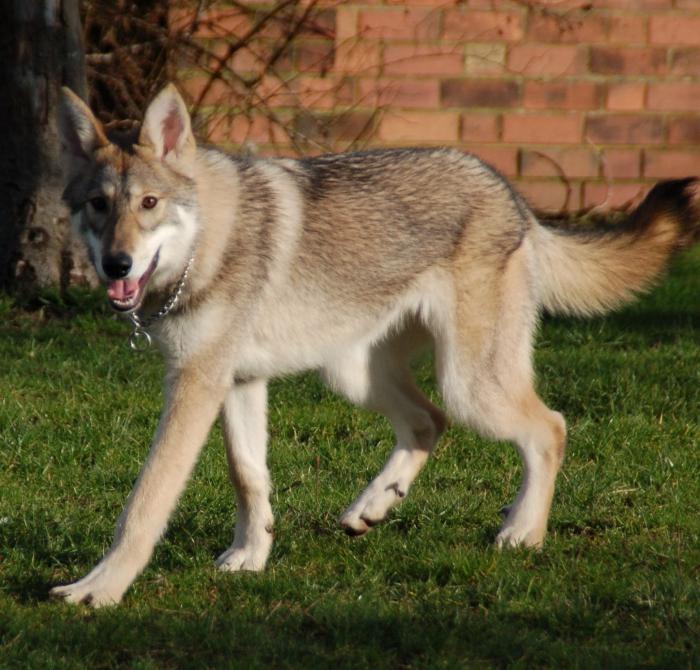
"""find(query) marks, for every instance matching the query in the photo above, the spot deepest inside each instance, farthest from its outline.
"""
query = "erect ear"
(167, 131)
(80, 132)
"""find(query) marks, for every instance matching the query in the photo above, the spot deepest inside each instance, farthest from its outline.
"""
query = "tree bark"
(41, 49)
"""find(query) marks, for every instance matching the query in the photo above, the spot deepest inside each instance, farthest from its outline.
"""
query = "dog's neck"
(169, 301)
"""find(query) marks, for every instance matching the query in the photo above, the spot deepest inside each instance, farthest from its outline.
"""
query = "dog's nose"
(116, 266)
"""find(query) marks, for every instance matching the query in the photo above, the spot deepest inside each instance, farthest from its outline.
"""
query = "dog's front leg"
(244, 419)
(192, 402)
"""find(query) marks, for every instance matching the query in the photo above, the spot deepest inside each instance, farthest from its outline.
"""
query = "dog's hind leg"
(244, 422)
(379, 379)
(485, 373)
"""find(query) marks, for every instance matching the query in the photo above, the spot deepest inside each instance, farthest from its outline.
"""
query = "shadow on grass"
(656, 320)
(369, 634)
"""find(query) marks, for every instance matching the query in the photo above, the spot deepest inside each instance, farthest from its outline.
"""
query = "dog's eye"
(149, 202)
(98, 203)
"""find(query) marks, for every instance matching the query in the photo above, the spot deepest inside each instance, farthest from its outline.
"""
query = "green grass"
(617, 585)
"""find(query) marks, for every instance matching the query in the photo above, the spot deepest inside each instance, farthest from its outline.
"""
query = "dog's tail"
(590, 271)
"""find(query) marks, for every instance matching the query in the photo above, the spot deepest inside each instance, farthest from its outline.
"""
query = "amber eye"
(149, 202)
(98, 203)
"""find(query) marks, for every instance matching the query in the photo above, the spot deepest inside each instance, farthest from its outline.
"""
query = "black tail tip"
(682, 191)
(677, 198)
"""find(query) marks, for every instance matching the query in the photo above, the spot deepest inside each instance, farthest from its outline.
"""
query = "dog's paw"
(88, 591)
(371, 508)
(512, 535)
(249, 556)
(354, 524)
(104, 585)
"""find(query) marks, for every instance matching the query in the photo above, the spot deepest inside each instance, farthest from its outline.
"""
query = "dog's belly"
(288, 348)
(305, 329)
(294, 339)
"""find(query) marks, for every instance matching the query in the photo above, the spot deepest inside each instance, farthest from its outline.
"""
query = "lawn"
(617, 584)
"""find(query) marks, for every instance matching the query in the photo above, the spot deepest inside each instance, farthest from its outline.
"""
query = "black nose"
(116, 266)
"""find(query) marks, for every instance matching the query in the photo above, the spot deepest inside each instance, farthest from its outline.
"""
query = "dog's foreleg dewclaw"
(504, 511)
(396, 489)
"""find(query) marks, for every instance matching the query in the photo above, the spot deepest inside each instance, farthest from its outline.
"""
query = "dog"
(246, 268)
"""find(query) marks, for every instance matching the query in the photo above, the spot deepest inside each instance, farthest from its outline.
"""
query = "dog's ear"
(80, 132)
(167, 131)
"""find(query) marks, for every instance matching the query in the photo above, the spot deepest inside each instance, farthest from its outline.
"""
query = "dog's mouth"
(125, 295)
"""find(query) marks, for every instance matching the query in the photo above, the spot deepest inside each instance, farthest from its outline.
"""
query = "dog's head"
(133, 203)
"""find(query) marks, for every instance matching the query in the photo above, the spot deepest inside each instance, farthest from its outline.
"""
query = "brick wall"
(583, 103)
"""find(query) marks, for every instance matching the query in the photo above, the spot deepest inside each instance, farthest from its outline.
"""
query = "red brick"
(633, 60)
(327, 130)
(684, 130)
(628, 29)
(316, 56)
(686, 61)
(483, 26)
(245, 60)
(573, 162)
(357, 57)
(346, 22)
(423, 3)
(560, 5)
(240, 129)
(613, 196)
(624, 129)
(480, 127)
(674, 29)
(218, 93)
(674, 96)
(321, 24)
(622, 163)
(322, 93)
(671, 163)
(561, 95)
(542, 128)
(479, 93)
(419, 127)
(424, 93)
(422, 59)
(181, 18)
(400, 23)
(275, 92)
(549, 195)
(504, 159)
(568, 27)
(222, 23)
(624, 5)
(639, 5)
(546, 59)
(626, 96)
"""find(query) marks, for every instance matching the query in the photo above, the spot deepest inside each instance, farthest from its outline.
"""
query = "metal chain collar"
(140, 339)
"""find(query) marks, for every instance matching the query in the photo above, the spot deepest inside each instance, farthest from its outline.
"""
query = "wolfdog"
(245, 268)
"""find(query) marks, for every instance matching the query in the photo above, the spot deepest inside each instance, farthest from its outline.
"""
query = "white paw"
(252, 556)
(96, 590)
(371, 507)
(519, 535)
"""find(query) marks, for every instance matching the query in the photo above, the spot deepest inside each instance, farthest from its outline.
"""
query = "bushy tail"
(590, 271)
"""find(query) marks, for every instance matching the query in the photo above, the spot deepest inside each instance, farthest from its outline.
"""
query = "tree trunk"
(41, 49)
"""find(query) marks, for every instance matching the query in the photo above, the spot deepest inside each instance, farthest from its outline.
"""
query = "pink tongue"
(121, 289)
